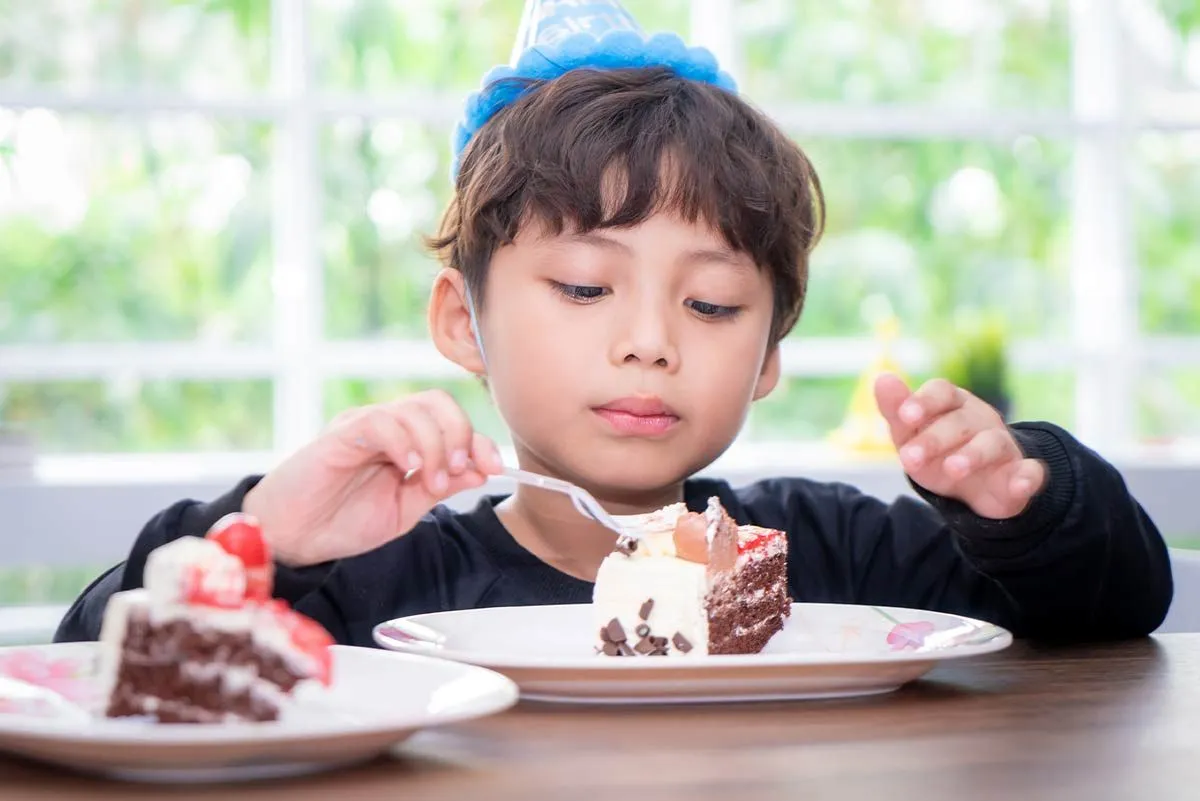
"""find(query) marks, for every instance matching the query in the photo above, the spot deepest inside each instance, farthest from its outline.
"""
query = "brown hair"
(671, 143)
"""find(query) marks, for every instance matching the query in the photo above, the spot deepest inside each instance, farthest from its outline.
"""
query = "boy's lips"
(645, 417)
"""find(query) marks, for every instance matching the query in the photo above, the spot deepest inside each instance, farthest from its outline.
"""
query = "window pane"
(800, 408)
(1164, 36)
(129, 415)
(390, 44)
(1167, 211)
(203, 48)
(977, 54)
(936, 226)
(45, 585)
(1048, 397)
(810, 408)
(386, 185)
(470, 394)
(133, 229)
(1169, 403)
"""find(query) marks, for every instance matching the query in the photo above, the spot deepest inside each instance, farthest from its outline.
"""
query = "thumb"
(890, 393)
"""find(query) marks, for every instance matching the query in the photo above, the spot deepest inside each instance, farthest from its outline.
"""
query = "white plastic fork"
(584, 503)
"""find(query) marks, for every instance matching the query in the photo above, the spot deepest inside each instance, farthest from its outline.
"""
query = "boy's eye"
(580, 293)
(713, 310)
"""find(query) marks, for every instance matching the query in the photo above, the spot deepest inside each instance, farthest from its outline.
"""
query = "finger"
(945, 434)
(985, 449)
(890, 393)
(1027, 478)
(934, 398)
(374, 432)
(485, 456)
(426, 435)
(457, 431)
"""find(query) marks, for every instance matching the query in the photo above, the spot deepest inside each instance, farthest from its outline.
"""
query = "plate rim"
(494, 661)
(501, 694)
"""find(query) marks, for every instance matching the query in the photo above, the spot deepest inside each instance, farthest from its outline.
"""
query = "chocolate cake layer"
(153, 677)
(739, 623)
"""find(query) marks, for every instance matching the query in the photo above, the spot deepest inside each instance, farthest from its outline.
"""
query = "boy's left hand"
(953, 444)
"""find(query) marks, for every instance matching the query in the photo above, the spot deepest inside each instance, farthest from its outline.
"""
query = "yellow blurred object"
(863, 431)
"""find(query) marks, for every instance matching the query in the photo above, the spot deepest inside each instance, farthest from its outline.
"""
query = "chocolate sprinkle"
(659, 642)
(626, 545)
(644, 612)
(611, 649)
(614, 631)
(623, 649)
(642, 630)
(644, 646)
(681, 643)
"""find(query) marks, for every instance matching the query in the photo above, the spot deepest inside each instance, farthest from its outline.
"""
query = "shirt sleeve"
(1082, 562)
(301, 588)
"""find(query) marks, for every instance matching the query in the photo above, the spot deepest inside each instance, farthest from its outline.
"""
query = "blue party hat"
(547, 23)
(557, 36)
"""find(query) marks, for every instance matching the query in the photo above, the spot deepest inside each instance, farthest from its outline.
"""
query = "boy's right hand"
(369, 478)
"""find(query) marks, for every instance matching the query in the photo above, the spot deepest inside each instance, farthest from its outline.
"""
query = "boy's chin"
(629, 479)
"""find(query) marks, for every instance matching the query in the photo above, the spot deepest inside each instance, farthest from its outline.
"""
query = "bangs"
(609, 149)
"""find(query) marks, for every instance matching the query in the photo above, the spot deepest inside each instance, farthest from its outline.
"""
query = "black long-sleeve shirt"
(1083, 562)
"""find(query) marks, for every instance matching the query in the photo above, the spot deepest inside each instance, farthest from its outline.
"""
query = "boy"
(625, 249)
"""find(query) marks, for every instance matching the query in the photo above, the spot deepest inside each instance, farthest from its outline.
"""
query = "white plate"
(377, 699)
(823, 651)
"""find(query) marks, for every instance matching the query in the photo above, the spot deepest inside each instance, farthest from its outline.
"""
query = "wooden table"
(1091, 723)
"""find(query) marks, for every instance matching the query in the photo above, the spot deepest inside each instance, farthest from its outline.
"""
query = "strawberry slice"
(241, 535)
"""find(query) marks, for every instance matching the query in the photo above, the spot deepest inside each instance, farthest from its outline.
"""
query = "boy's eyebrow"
(599, 240)
(696, 256)
(718, 256)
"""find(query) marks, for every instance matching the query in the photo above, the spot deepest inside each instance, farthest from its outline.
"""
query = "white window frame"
(1105, 349)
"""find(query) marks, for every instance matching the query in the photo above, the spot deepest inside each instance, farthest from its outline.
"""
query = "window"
(211, 213)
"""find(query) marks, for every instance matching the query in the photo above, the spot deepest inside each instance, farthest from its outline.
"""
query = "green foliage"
(974, 355)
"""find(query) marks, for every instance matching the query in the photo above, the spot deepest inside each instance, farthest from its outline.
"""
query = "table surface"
(1118, 721)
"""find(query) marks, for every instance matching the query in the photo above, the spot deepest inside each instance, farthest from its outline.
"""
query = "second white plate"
(824, 651)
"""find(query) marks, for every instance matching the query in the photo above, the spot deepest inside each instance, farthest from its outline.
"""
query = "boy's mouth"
(638, 417)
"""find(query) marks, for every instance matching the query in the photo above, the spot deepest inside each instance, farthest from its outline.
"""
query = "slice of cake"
(687, 583)
(204, 642)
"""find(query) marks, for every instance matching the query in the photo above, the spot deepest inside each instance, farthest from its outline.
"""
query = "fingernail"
(913, 454)
(458, 461)
(958, 463)
(414, 461)
(441, 481)
(910, 412)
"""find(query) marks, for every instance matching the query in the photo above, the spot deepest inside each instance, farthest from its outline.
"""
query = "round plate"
(377, 699)
(823, 651)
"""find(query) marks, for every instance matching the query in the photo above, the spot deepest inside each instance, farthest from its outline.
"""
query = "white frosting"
(677, 586)
(655, 531)
(170, 567)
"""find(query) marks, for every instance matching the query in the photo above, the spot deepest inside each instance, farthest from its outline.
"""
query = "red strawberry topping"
(757, 540)
(205, 589)
(240, 535)
(310, 637)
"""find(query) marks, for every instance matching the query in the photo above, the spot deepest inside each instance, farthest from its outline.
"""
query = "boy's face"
(624, 359)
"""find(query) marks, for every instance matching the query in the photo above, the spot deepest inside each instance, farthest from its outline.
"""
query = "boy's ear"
(450, 322)
(768, 377)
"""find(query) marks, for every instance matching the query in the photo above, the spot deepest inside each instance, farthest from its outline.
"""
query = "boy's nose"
(647, 341)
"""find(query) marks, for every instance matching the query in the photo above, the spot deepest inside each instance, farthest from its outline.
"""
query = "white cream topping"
(678, 588)
(655, 530)
(169, 567)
